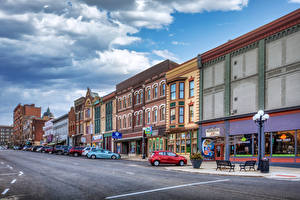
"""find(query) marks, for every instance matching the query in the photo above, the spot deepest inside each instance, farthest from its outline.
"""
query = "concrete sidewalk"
(209, 167)
(286, 173)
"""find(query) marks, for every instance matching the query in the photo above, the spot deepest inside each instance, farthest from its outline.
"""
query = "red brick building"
(141, 104)
(20, 113)
(72, 125)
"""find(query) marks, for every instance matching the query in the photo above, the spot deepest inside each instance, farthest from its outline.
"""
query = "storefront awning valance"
(128, 139)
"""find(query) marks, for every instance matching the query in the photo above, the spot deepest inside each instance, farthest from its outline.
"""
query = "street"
(30, 175)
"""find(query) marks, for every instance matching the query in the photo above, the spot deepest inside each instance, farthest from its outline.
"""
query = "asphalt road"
(30, 175)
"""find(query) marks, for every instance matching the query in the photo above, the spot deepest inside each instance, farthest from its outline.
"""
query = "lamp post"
(259, 119)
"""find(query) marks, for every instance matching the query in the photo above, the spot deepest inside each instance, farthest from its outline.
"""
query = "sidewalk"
(276, 172)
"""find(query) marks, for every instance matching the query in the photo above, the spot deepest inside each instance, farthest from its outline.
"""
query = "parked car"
(76, 151)
(59, 149)
(48, 149)
(35, 148)
(88, 149)
(39, 149)
(101, 153)
(17, 147)
(26, 148)
(166, 157)
(67, 150)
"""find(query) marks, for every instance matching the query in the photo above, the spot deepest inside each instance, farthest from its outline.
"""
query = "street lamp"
(259, 118)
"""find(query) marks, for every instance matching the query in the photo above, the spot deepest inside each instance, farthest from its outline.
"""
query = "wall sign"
(212, 132)
(116, 135)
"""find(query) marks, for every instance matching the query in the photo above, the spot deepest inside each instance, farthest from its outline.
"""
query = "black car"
(35, 148)
(67, 149)
(60, 149)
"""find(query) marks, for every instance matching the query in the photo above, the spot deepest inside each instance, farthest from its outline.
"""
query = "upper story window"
(162, 89)
(181, 115)
(191, 88)
(130, 121)
(148, 94)
(191, 113)
(124, 122)
(129, 100)
(173, 91)
(120, 123)
(141, 95)
(181, 90)
(155, 115)
(120, 104)
(172, 115)
(155, 91)
(124, 102)
(140, 118)
(148, 117)
(137, 98)
(87, 113)
(162, 113)
(137, 120)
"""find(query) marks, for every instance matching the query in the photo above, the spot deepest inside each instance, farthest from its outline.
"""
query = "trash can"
(264, 165)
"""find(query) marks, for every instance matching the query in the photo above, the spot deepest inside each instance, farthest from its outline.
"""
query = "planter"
(196, 163)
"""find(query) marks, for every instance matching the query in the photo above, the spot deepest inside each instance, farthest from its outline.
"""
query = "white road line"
(13, 181)
(165, 188)
(2, 163)
(8, 174)
(5, 191)
(130, 173)
(20, 173)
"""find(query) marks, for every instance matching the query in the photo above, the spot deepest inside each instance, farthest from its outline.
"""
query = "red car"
(166, 157)
(48, 149)
(76, 151)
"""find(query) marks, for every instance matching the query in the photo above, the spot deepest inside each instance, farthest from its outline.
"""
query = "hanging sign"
(212, 132)
(148, 130)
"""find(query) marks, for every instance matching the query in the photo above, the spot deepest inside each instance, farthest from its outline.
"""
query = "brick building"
(144, 92)
(22, 112)
(72, 125)
(78, 107)
(6, 133)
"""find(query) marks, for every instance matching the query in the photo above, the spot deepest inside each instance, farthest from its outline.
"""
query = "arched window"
(141, 94)
(124, 122)
(148, 94)
(155, 115)
(155, 91)
(148, 116)
(162, 89)
(124, 102)
(162, 113)
(141, 118)
(129, 121)
(137, 98)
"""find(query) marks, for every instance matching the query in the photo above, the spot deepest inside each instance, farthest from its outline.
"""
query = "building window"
(173, 91)
(137, 98)
(129, 100)
(181, 115)
(173, 115)
(155, 115)
(120, 104)
(130, 121)
(191, 113)
(124, 102)
(148, 94)
(124, 122)
(181, 90)
(155, 92)
(87, 113)
(283, 143)
(141, 97)
(137, 120)
(148, 117)
(191, 88)
(141, 118)
(162, 113)
(132, 147)
(243, 144)
(162, 89)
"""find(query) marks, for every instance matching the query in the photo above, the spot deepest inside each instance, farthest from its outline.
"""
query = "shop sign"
(97, 137)
(283, 138)
(116, 135)
(212, 132)
(148, 130)
(83, 139)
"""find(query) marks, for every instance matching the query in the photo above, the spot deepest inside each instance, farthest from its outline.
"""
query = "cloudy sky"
(52, 50)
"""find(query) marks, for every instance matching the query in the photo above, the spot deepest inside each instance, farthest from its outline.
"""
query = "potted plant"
(196, 159)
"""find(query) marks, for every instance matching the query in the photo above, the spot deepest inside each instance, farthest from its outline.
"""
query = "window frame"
(191, 89)
(179, 116)
(173, 92)
(179, 94)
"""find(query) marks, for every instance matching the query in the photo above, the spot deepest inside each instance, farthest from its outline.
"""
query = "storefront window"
(194, 142)
(298, 143)
(244, 145)
(283, 143)
(150, 145)
(171, 142)
(132, 147)
(231, 145)
(161, 145)
(178, 135)
(188, 143)
(267, 144)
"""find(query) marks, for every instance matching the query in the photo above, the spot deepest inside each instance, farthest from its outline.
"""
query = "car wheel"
(181, 163)
(75, 154)
(93, 157)
(113, 157)
(156, 163)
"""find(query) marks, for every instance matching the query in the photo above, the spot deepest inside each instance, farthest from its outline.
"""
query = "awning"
(51, 143)
(127, 139)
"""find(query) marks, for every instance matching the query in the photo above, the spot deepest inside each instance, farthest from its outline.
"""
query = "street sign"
(116, 135)
(148, 130)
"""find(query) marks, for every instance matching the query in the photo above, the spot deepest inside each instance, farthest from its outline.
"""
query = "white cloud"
(165, 54)
(179, 43)
(294, 1)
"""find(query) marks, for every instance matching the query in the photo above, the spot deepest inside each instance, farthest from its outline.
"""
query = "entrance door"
(219, 152)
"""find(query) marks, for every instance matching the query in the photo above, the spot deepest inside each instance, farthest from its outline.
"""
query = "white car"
(88, 149)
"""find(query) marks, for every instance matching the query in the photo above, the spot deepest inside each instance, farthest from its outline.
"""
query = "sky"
(52, 50)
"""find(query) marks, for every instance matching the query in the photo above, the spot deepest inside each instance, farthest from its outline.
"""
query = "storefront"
(183, 143)
(282, 138)
(98, 141)
(156, 144)
(108, 143)
(131, 146)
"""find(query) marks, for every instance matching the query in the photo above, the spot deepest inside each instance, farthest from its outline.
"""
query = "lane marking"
(130, 173)
(5, 191)
(20, 173)
(165, 188)
(13, 181)
(8, 174)
(2, 163)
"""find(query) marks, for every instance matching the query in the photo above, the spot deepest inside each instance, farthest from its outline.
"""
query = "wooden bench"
(249, 163)
(224, 164)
